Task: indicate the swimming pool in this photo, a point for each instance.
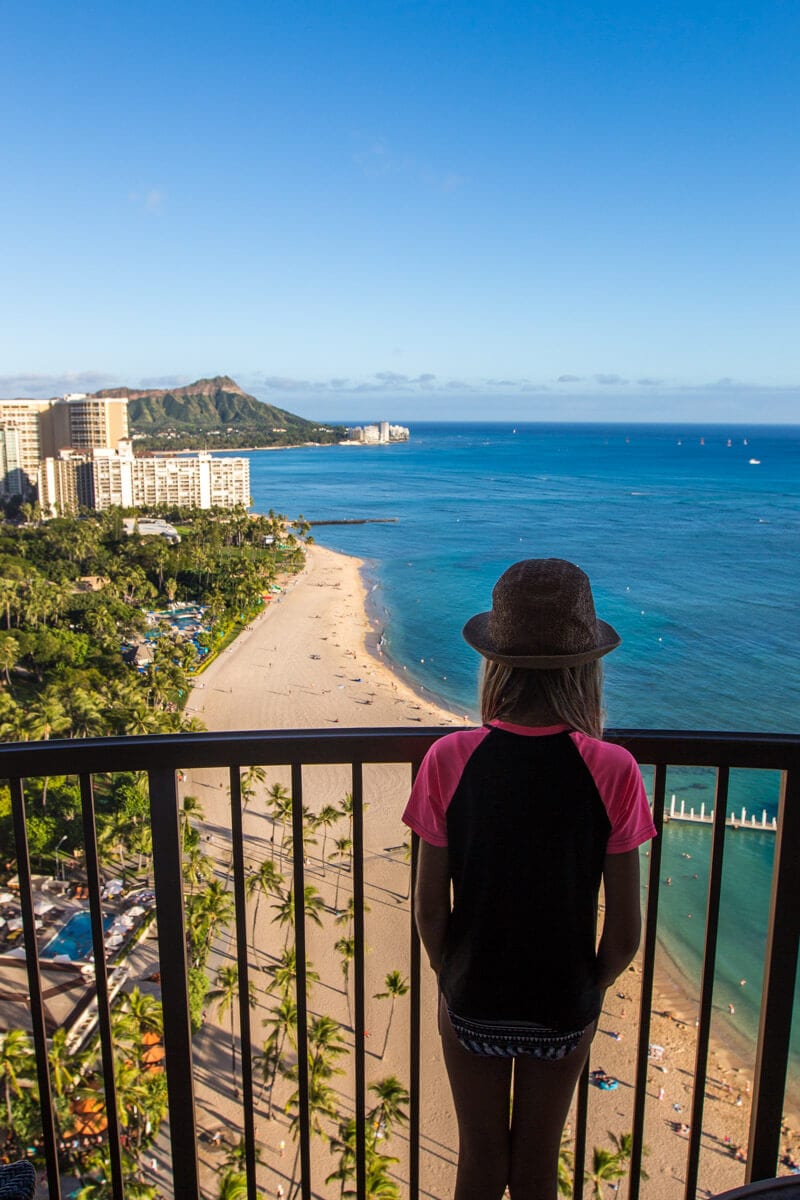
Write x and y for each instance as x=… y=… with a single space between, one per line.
x=75 y=939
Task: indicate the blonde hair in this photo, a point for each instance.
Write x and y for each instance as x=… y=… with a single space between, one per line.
x=573 y=694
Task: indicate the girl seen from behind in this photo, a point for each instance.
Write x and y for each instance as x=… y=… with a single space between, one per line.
x=519 y=822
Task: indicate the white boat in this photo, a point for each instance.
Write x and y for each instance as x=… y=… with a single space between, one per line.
x=754 y=462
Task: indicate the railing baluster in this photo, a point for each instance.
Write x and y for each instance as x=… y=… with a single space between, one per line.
x=648 y=967
x=237 y=849
x=707 y=987
x=174 y=981
x=777 y=998
x=35 y=987
x=101 y=983
x=304 y=1114
x=581 y=1116
x=358 y=981
x=415 y=1036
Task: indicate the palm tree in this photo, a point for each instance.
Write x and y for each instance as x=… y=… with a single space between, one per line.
x=63 y=1066
x=86 y=715
x=312 y=903
x=606 y=1168
x=233 y=1185
x=395 y=986
x=343 y=851
x=252 y=776
x=321 y=1105
x=280 y=803
x=16 y=1065
x=205 y=911
x=145 y=1010
x=325 y=1042
x=197 y=867
x=225 y=994
x=190 y=807
x=327 y=816
x=9 y=656
x=566 y=1166
x=45 y=715
x=623 y=1147
x=347 y=948
x=285 y=973
x=307 y=834
x=379 y=1185
x=346 y=916
x=264 y=881
x=284 y=1026
x=392 y=1096
x=345 y=1146
x=348 y=804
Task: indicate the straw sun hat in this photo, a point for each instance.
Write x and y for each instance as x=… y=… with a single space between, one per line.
x=543 y=617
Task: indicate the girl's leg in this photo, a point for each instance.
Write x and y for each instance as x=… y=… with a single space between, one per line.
x=481 y=1088
x=542 y=1095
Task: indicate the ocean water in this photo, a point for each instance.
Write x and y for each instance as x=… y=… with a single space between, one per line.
x=693 y=551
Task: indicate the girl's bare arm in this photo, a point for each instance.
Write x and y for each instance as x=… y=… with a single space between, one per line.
x=622 y=926
x=432 y=900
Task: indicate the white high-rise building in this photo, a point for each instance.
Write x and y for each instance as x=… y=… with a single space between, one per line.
x=107 y=478
x=46 y=427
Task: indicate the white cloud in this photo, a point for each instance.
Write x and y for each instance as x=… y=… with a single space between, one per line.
x=31 y=386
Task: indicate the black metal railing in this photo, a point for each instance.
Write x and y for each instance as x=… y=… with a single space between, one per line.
x=163 y=757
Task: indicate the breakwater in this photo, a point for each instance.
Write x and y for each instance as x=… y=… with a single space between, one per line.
x=359 y=521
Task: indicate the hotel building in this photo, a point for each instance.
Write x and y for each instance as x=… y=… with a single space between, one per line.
x=109 y=477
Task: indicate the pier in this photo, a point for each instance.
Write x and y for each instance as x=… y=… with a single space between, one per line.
x=743 y=821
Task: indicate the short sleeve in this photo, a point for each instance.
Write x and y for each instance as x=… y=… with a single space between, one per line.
x=629 y=812
x=425 y=812
x=619 y=781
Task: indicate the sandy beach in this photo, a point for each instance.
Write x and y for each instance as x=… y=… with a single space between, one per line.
x=309 y=662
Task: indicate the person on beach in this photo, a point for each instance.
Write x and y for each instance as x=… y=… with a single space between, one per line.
x=522 y=818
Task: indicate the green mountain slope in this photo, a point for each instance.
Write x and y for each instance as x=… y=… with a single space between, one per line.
x=214 y=413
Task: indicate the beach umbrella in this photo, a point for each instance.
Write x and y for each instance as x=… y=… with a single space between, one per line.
x=89 y=1126
x=43 y=906
x=114 y=940
x=15 y=923
x=7 y=898
x=114 y=887
x=136 y=911
x=154 y=1055
x=151 y=1038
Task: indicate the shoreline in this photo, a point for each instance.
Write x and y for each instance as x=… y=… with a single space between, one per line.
x=310 y=660
x=398 y=670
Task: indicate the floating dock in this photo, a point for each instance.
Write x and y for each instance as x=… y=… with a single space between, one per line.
x=743 y=821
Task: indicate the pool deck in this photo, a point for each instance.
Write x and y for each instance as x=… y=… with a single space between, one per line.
x=68 y=987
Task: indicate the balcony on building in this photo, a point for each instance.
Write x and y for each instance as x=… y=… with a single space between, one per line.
x=375 y=768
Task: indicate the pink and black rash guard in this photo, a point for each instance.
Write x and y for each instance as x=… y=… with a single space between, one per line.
x=528 y=816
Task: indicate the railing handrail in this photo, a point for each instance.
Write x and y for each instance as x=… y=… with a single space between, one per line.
x=767 y=751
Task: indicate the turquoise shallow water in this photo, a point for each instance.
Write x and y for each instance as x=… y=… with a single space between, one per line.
x=692 y=550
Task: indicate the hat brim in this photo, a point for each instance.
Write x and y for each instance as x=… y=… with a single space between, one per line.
x=476 y=634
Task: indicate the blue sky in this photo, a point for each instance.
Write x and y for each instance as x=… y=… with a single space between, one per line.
x=539 y=211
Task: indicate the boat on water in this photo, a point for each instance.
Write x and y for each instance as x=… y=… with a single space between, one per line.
x=754 y=462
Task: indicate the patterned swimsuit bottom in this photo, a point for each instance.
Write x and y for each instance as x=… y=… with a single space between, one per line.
x=503 y=1039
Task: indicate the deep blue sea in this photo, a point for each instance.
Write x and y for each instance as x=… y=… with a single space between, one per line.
x=691 y=536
